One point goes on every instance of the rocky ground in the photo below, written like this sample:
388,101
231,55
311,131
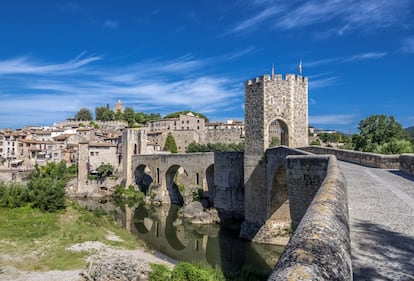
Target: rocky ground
105,263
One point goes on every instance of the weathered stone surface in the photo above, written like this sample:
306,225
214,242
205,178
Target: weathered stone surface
197,215
320,248
357,157
119,269
407,163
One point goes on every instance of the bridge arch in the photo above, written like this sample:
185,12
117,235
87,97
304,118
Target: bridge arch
209,186
176,178
278,199
278,133
143,178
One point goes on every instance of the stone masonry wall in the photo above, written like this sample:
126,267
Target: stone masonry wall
320,248
221,135
407,163
15,175
361,158
228,184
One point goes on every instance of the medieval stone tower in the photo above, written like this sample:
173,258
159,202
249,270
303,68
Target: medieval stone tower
276,113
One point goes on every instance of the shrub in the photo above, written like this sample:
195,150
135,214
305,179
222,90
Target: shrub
47,186
159,272
13,195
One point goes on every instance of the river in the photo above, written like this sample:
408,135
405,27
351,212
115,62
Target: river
171,237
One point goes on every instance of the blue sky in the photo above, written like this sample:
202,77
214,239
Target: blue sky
57,57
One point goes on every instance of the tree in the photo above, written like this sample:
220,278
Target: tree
105,170
170,144
83,114
213,147
177,114
382,134
129,116
47,186
104,113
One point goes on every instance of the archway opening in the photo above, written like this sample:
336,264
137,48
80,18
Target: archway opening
176,179
143,178
278,133
209,188
278,201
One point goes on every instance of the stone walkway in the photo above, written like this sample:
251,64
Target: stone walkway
381,216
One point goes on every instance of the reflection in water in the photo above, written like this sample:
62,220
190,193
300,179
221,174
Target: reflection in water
164,232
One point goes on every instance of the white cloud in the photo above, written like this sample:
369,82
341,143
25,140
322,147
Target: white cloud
165,86
110,24
408,45
366,56
342,16
25,65
337,119
322,82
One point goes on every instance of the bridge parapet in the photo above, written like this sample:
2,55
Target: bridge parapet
320,248
357,157
407,163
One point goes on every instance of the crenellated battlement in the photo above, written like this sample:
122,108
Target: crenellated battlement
276,77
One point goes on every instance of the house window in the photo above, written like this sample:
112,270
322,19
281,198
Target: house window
92,153
96,153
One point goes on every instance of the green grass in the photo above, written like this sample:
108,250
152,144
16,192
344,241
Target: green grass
38,240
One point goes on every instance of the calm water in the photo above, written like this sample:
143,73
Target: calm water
168,235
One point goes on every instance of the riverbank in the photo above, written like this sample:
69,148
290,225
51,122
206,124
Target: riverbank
70,245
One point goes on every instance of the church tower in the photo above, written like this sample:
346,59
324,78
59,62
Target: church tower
119,107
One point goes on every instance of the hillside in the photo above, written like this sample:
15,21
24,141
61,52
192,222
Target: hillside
410,130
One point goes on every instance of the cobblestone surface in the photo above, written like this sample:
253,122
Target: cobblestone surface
381,214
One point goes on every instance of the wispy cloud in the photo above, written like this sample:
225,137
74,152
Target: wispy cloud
366,56
342,16
322,82
408,45
25,65
257,19
164,86
110,24
337,119
345,59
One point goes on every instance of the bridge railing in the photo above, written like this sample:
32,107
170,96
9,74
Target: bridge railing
357,157
320,247
407,163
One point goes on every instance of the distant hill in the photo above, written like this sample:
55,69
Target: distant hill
410,130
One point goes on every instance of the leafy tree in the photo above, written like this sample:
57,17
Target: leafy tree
105,170
170,144
83,114
129,116
177,114
47,186
104,113
214,147
382,134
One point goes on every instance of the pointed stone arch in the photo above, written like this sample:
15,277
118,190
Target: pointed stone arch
278,133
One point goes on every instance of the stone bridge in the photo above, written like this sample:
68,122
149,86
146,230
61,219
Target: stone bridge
171,170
